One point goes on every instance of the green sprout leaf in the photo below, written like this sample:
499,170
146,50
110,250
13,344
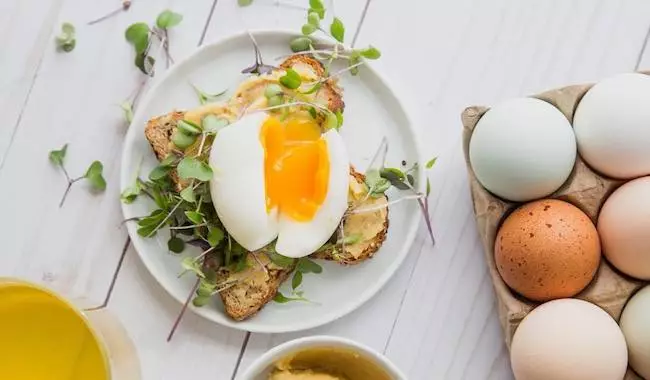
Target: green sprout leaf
431,162
291,79
188,194
395,176
66,40
296,280
313,19
182,140
127,108
145,63
57,156
190,167
318,7
428,187
272,90
308,29
370,52
168,19
308,266
94,176
351,239
213,123
411,180
176,245
194,217
138,35
281,298
244,3
355,57
337,29
215,236
313,89
159,172
279,260
132,192
191,265
241,264
299,44
339,119
376,184
188,128
331,121
200,301
205,97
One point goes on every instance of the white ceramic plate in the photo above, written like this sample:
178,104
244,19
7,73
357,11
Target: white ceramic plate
372,111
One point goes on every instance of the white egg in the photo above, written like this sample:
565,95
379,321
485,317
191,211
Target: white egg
298,239
568,339
612,126
635,323
237,188
238,191
522,149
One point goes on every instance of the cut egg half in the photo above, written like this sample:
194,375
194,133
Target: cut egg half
279,179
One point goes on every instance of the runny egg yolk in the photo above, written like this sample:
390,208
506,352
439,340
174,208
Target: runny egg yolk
296,166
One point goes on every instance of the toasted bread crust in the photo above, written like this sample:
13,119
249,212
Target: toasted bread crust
368,247
330,91
248,296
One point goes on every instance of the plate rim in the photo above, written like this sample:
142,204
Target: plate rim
249,325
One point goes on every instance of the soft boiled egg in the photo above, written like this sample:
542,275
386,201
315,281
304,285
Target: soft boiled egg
279,179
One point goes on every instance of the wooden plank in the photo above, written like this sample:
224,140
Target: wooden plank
478,53
25,29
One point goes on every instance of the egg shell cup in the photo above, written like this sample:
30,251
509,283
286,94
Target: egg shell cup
586,189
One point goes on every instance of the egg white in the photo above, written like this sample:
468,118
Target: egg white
299,239
237,187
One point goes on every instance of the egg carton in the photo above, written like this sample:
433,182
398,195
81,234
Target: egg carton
586,189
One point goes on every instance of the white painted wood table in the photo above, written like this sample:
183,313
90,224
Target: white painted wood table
436,319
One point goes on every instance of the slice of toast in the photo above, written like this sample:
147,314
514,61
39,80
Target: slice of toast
258,284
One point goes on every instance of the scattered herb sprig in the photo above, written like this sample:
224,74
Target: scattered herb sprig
93,174
126,4
66,40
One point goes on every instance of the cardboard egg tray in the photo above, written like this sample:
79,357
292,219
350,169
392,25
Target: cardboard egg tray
610,289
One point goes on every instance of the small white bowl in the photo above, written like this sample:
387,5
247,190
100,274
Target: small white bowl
262,367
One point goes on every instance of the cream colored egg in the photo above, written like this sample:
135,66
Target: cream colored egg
522,149
635,323
568,339
299,239
612,126
237,188
624,228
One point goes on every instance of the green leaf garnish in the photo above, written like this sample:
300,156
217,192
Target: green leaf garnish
281,298
194,217
299,44
215,236
200,301
190,167
296,280
395,176
351,239
337,29
191,265
428,187
176,245
244,3
279,260
431,162
66,40
306,265
370,52
291,79
159,172
205,97
273,89
213,123
188,194
94,176
127,108
168,19
188,128
138,35
57,156
308,29
132,192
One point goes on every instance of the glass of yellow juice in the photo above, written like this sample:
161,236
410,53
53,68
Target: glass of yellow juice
44,336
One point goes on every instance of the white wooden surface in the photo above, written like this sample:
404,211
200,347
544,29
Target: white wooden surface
436,319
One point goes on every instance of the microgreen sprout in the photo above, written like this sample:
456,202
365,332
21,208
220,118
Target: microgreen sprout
257,68
66,40
126,4
93,174
205,97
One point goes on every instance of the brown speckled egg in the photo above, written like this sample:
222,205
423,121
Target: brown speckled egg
547,249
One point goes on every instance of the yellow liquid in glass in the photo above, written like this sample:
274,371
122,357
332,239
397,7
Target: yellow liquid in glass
44,338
